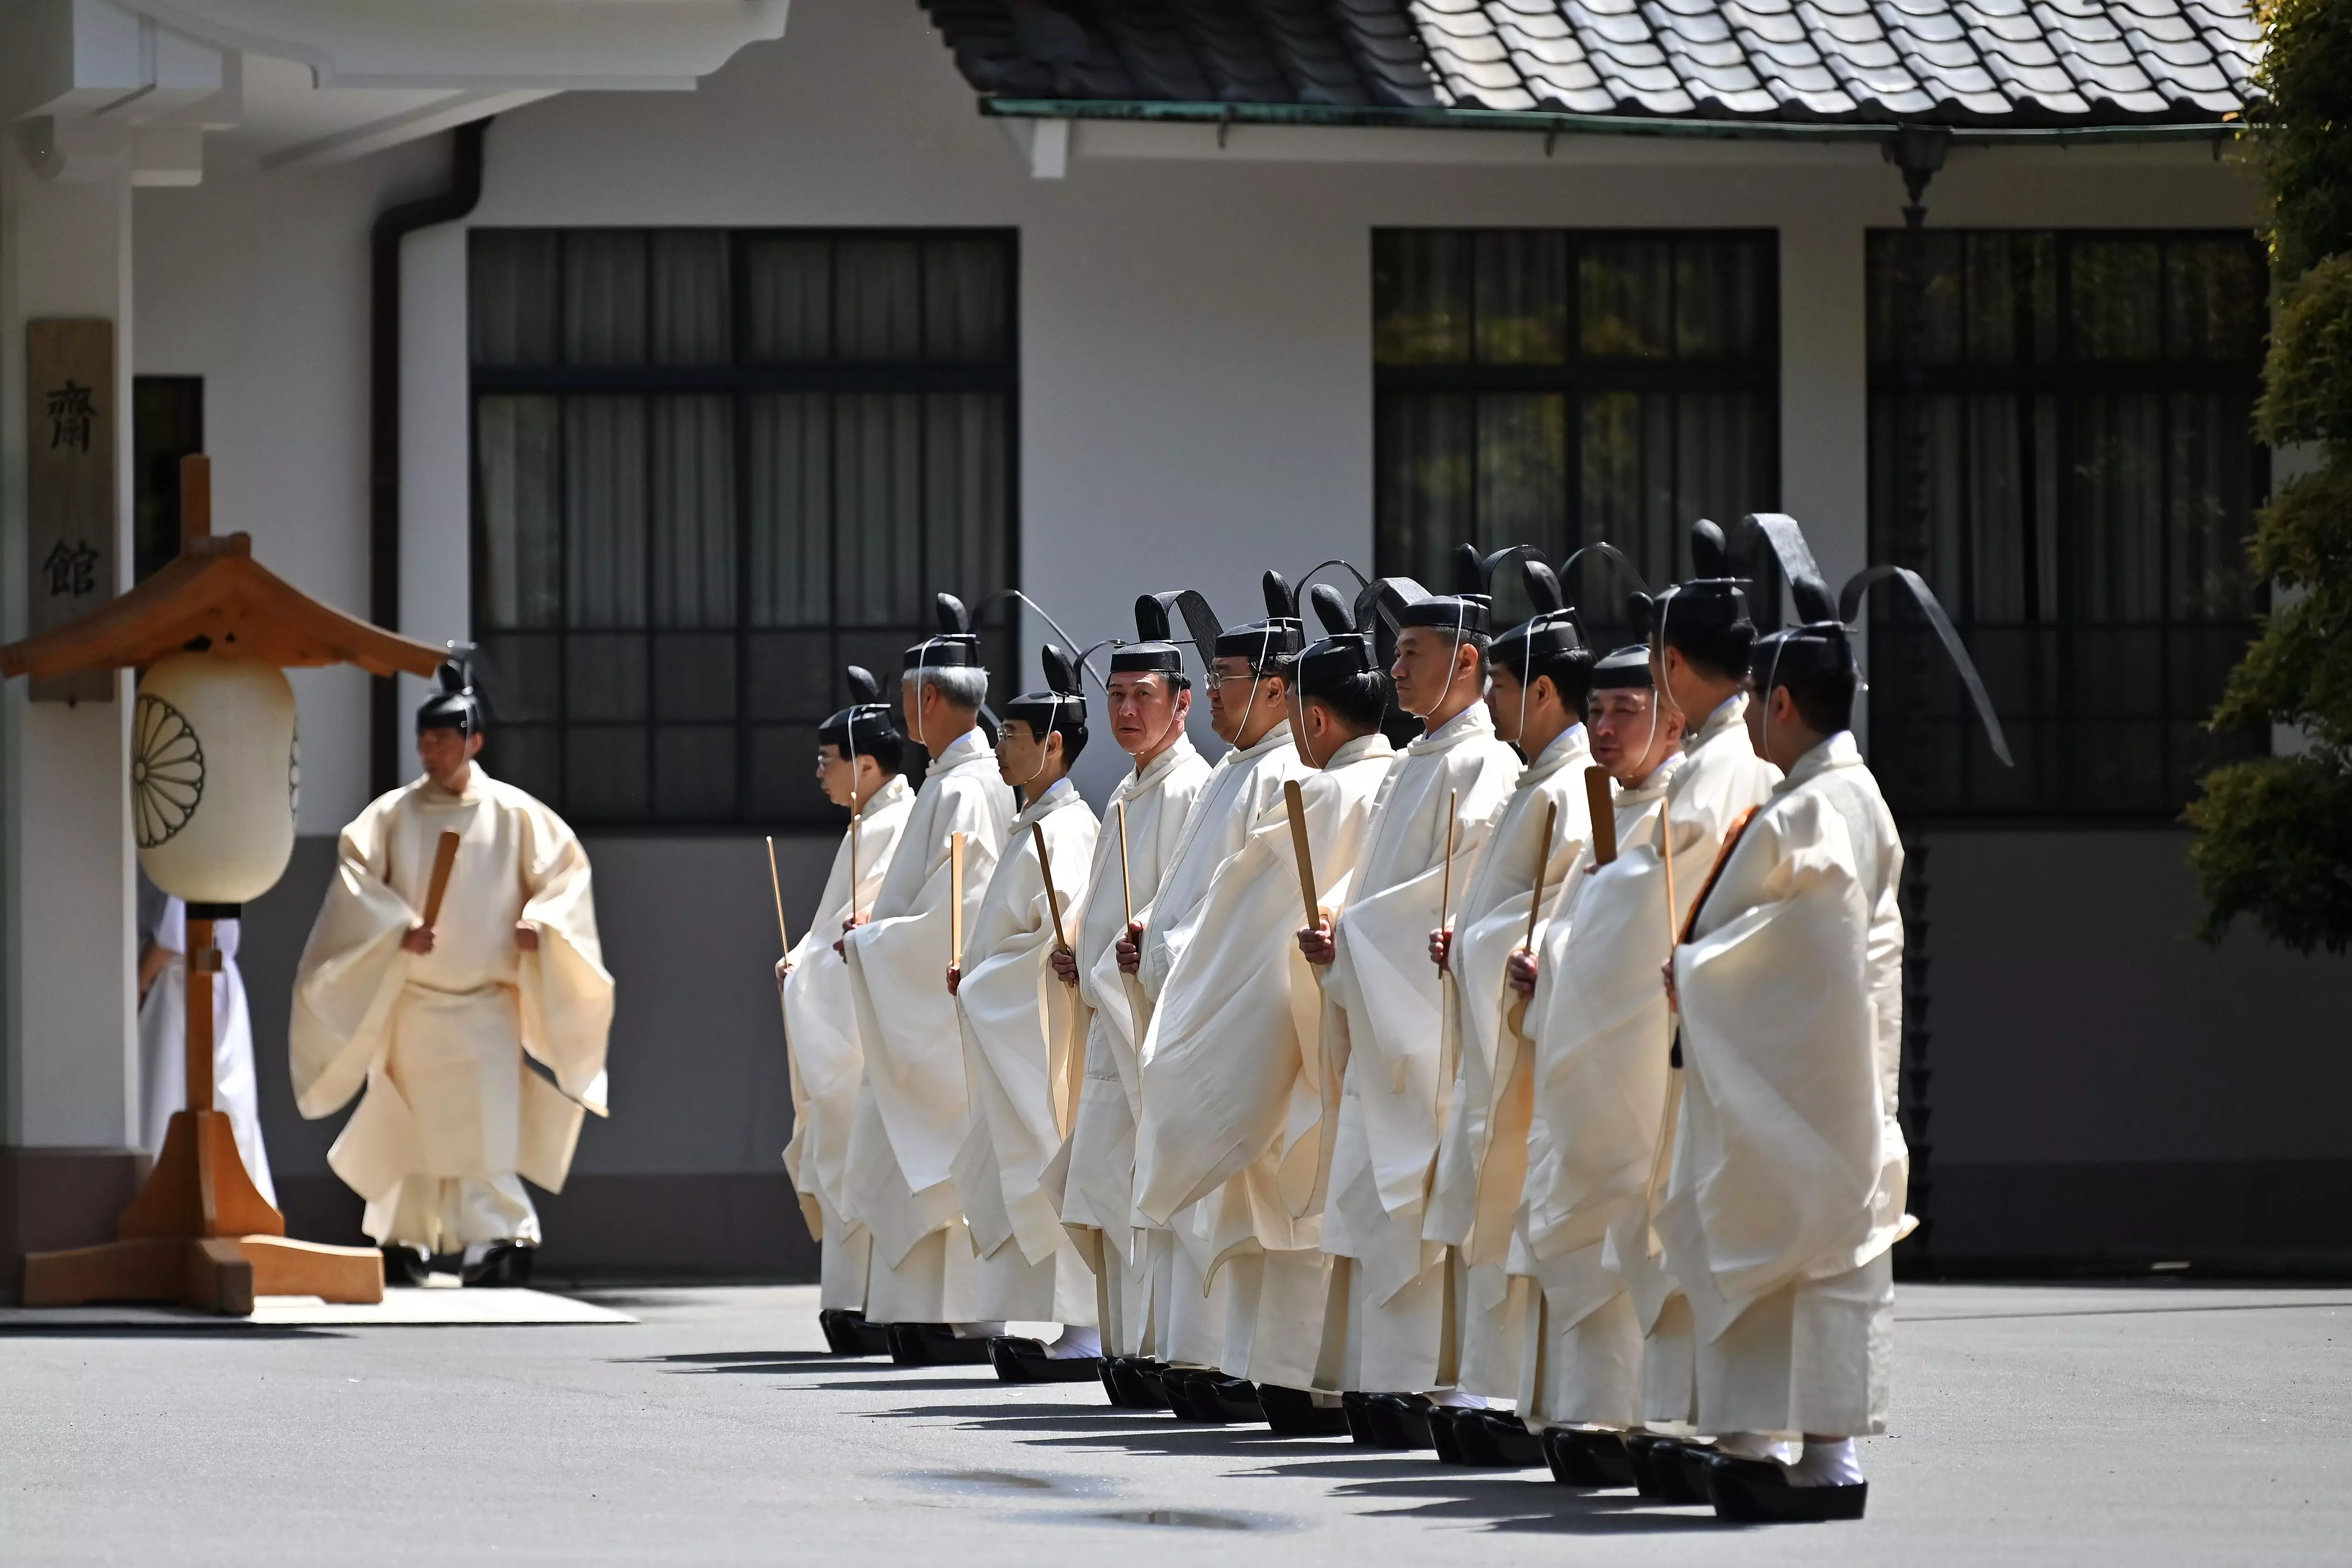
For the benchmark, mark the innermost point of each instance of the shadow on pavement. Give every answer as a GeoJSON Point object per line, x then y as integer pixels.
{"type": "Point", "coordinates": [1531, 1506]}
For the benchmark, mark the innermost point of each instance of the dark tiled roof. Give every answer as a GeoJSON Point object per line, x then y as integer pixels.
{"type": "Point", "coordinates": [1984, 63]}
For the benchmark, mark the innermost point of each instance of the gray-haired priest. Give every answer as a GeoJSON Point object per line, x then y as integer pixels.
{"type": "Point", "coordinates": [912, 1112]}
{"type": "Point", "coordinates": [859, 754]}
{"type": "Point", "coordinates": [436, 1020]}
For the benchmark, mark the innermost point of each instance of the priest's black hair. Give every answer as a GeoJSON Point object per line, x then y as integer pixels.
{"type": "Point", "coordinates": [1060, 709]}
{"type": "Point", "coordinates": [1823, 694]}
{"type": "Point", "coordinates": [867, 726]}
{"type": "Point", "coordinates": [1704, 618]}
{"type": "Point", "coordinates": [1361, 700]}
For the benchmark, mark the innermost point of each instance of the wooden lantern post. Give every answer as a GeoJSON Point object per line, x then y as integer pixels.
{"type": "Point", "coordinates": [200, 1233]}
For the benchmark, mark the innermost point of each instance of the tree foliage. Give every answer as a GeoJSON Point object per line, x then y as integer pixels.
{"type": "Point", "coordinates": [2274, 837]}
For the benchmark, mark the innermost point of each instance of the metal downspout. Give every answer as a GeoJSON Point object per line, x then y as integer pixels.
{"type": "Point", "coordinates": [396, 224]}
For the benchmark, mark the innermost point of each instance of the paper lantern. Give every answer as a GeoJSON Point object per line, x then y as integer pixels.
{"type": "Point", "coordinates": [214, 772]}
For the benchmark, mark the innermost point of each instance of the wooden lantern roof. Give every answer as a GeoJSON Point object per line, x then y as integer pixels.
{"type": "Point", "coordinates": [218, 592]}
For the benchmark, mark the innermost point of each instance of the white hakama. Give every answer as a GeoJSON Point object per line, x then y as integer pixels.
{"type": "Point", "coordinates": [1789, 1175]}
{"type": "Point", "coordinates": [1022, 1029]}
{"type": "Point", "coordinates": [1482, 1154]}
{"type": "Point", "coordinates": [1388, 1028]}
{"type": "Point", "coordinates": [912, 1107]}
{"type": "Point", "coordinates": [821, 1041]}
{"type": "Point", "coordinates": [1233, 1091]}
{"type": "Point", "coordinates": [1092, 1179]}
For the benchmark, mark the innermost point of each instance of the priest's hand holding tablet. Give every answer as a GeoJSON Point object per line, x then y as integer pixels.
{"type": "Point", "coordinates": [1317, 944]}
{"type": "Point", "coordinates": [1519, 969]}
{"type": "Point", "coordinates": [419, 940]}
{"type": "Point", "coordinates": [526, 936]}
{"type": "Point", "coordinates": [955, 977]}
{"type": "Point", "coordinates": [1066, 966]}
{"type": "Point", "coordinates": [1130, 948]}
{"type": "Point", "coordinates": [1441, 946]}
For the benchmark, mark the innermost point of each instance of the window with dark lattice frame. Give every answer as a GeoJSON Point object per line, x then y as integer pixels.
{"type": "Point", "coordinates": [712, 467]}
{"type": "Point", "coordinates": [1561, 387]}
{"type": "Point", "coordinates": [2061, 441]}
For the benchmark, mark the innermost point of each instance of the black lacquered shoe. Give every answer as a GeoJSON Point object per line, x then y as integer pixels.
{"type": "Point", "coordinates": [1595, 1461]}
{"type": "Point", "coordinates": [1509, 1443]}
{"type": "Point", "coordinates": [1235, 1398]}
{"type": "Point", "coordinates": [1670, 1466]}
{"type": "Point", "coordinates": [1355, 1411]}
{"type": "Point", "coordinates": [404, 1266]}
{"type": "Point", "coordinates": [1293, 1413]}
{"type": "Point", "coordinates": [1757, 1491]}
{"type": "Point", "coordinates": [934, 1344]}
{"type": "Point", "coordinates": [1446, 1437]}
{"type": "Point", "coordinates": [505, 1266]}
{"type": "Point", "coordinates": [1124, 1383]}
{"type": "Point", "coordinates": [849, 1333]}
{"type": "Point", "coordinates": [1177, 1383]}
{"type": "Point", "coordinates": [1400, 1420]}
{"type": "Point", "coordinates": [1640, 1453]}
{"type": "Point", "coordinates": [1020, 1360]}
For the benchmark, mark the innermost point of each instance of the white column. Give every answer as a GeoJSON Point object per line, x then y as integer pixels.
{"type": "Point", "coordinates": [1825, 394]}
{"type": "Point", "coordinates": [435, 450]}
{"type": "Point", "coordinates": [69, 930]}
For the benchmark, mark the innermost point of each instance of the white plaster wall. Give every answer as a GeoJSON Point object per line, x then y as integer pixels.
{"type": "Point", "coordinates": [259, 282]}
{"type": "Point", "coordinates": [65, 251]}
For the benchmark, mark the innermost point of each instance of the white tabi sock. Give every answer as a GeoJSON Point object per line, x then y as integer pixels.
{"type": "Point", "coordinates": [1757, 1446]}
{"type": "Point", "coordinates": [1830, 1464]}
{"type": "Point", "coordinates": [1075, 1343]}
{"type": "Point", "coordinates": [977, 1330]}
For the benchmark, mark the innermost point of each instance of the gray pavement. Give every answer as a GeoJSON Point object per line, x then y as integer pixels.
{"type": "Point", "coordinates": [2144, 1425]}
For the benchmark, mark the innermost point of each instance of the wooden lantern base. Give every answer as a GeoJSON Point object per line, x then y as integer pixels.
{"type": "Point", "coordinates": [200, 1234]}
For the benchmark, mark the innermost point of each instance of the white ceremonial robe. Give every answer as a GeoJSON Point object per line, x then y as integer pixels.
{"type": "Point", "coordinates": [1719, 778]}
{"type": "Point", "coordinates": [1023, 1034]}
{"type": "Point", "coordinates": [1386, 1028]}
{"type": "Point", "coordinates": [912, 1107]}
{"type": "Point", "coordinates": [1232, 1080]}
{"type": "Point", "coordinates": [1189, 1318]}
{"type": "Point", "coordinates": [164, 1046]}
{"type": "Point", "coordinates": [1599, 1026]}
{"type": "Point", "coordinates": [1093, 1177]}
{"type": "Point", "coordinates": [1789, 1179]}
{"type": "Point", "coordinates": [453, 1119]}
{"type": "Point", "coordinates": [1482, 1154]}
{"type": "Point", "coordinates": [821, 1045]}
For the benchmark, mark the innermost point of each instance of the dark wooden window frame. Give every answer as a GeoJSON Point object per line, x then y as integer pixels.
{"type": "Point", "coordinates": [1891, 376]}
{"type": "Point", "coordinates": [741, 380]}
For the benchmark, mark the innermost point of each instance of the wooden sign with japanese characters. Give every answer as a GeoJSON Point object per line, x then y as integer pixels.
{"type": "Point", "coordinates": [71, 413]}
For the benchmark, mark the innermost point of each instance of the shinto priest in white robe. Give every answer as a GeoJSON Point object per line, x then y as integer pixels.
{"type": "Point", "coordinates": [821, 1037]}
{"type": "Point", "coordinates": [1719, 778]}
{"type": "Point", "coordinates": [1020, 1027]}
{"type": "Point", "coordinates": [1789, 1176]}
{"type": "Point", "coordinates": [1233, 1077]}
{"type": "Point", "coordinates": [1385, 1030]}
{"type": "Point", "coordinates": [1189, 1319]}
{"type": "Point", "coordinates": [1599, 1021]}
{"type": "Point", "coordinates": [453, 1118]}
{"type": "Point", "coordinates": [912, 1107]}
{"type": "Point", "coordinates": [1093, 1177]}
{"type": "Point", "coordinates": [1482, 1154]}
